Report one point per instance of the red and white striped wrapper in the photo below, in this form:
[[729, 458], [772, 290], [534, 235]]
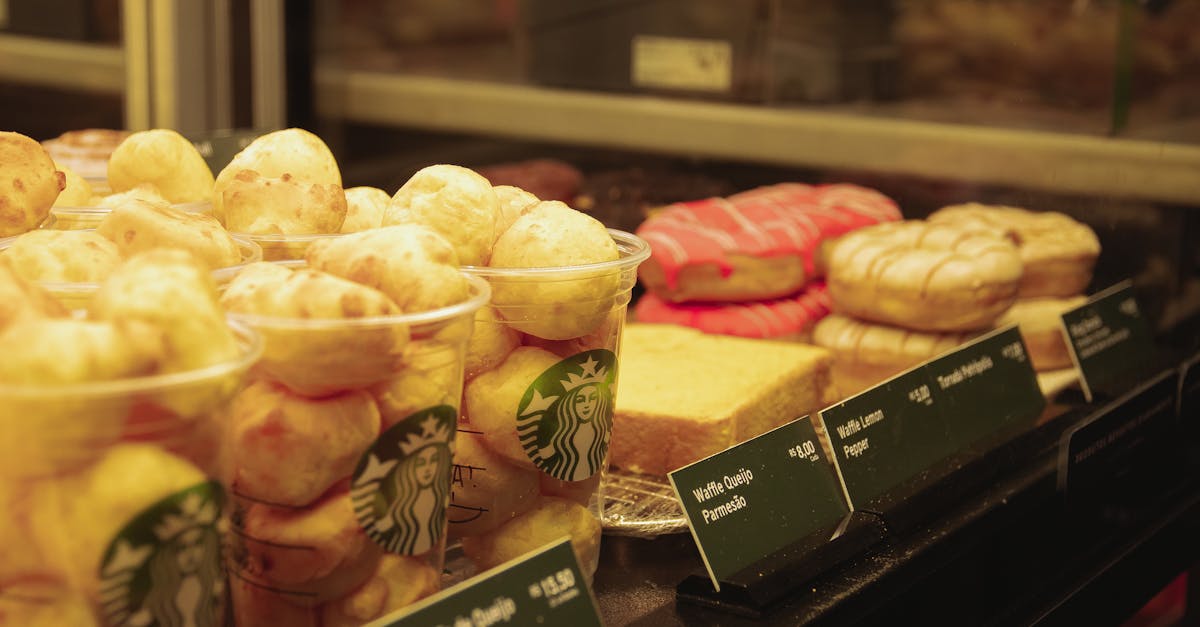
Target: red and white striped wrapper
[[777, 318], [782, 219]]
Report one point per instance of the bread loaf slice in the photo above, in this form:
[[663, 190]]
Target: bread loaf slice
[[685, 395]]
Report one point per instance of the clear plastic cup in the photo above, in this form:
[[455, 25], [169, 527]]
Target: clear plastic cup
[[80, 218], [277, 247], [342, 451], [76, 295], [538, 406], [111, 502]]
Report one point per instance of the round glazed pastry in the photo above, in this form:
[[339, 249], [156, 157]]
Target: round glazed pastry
[[865, 354], [923, 276], [756, 245], [29, 183], [789, 318], [1041, 326], [1058, 252]]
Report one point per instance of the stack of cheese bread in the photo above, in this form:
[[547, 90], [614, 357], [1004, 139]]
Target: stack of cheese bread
[[749, 265], [903, 293]]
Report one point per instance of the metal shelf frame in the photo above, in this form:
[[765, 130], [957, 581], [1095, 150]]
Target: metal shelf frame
[[1057, 162]]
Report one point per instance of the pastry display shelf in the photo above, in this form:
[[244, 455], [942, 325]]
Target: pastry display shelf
[[62, 64], [1016, 552], [794, 136]]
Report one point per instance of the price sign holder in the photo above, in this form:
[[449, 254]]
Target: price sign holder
[[544, 587], [1109, 342], [919, 441], [767, 516], [1124, 446]]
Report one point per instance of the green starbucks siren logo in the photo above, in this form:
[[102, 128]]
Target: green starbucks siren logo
[[164, 568], [564, 420], [402, 485]]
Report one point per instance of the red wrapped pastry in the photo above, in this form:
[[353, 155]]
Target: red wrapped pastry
[[756, 245], [787, 318]]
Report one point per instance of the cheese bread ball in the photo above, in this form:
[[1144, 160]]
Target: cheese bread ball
[[399, 582], [29, 184], [365, 208], [456, 202], [556, 307], [49, 352], [60, 351], [286, 205], [62, 256], [306, 347], [319, 550], [77, 516], [77, 192], [21, 298], [259, 605], [136, 226], [491, 341], [174, 291], [145, 192], [412, 264], [606, 335], [545, 523], [166, 159], [514, 202], [291, 151], [418, 386], [491, 400], [487, 490], [290, 450]]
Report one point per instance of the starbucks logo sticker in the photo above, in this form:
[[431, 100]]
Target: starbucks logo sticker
[[402, 485], [564, 420], [164, 567]]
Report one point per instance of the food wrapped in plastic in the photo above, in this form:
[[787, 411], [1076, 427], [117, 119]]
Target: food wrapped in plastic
[[123, 527], [322, 333], [539, 415], [566, 304], [344, 513]]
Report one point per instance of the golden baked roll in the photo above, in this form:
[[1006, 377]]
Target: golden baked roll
[[77, 192], [488, 491], [21, 298], [365, 208], [924, 276], [865, 354], [62, 256], [136, 226], [549, 520], [1040, 321], [454, 201], [286, 205], [292, 151], [398, 582], [514, 202], [166, 159], [29, 184], [1058, 252]]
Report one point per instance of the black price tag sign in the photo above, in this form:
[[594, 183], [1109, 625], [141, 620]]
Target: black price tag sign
[[894, 433], [542, 588], [757, 497], [1108, 340], [1128, 435]]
